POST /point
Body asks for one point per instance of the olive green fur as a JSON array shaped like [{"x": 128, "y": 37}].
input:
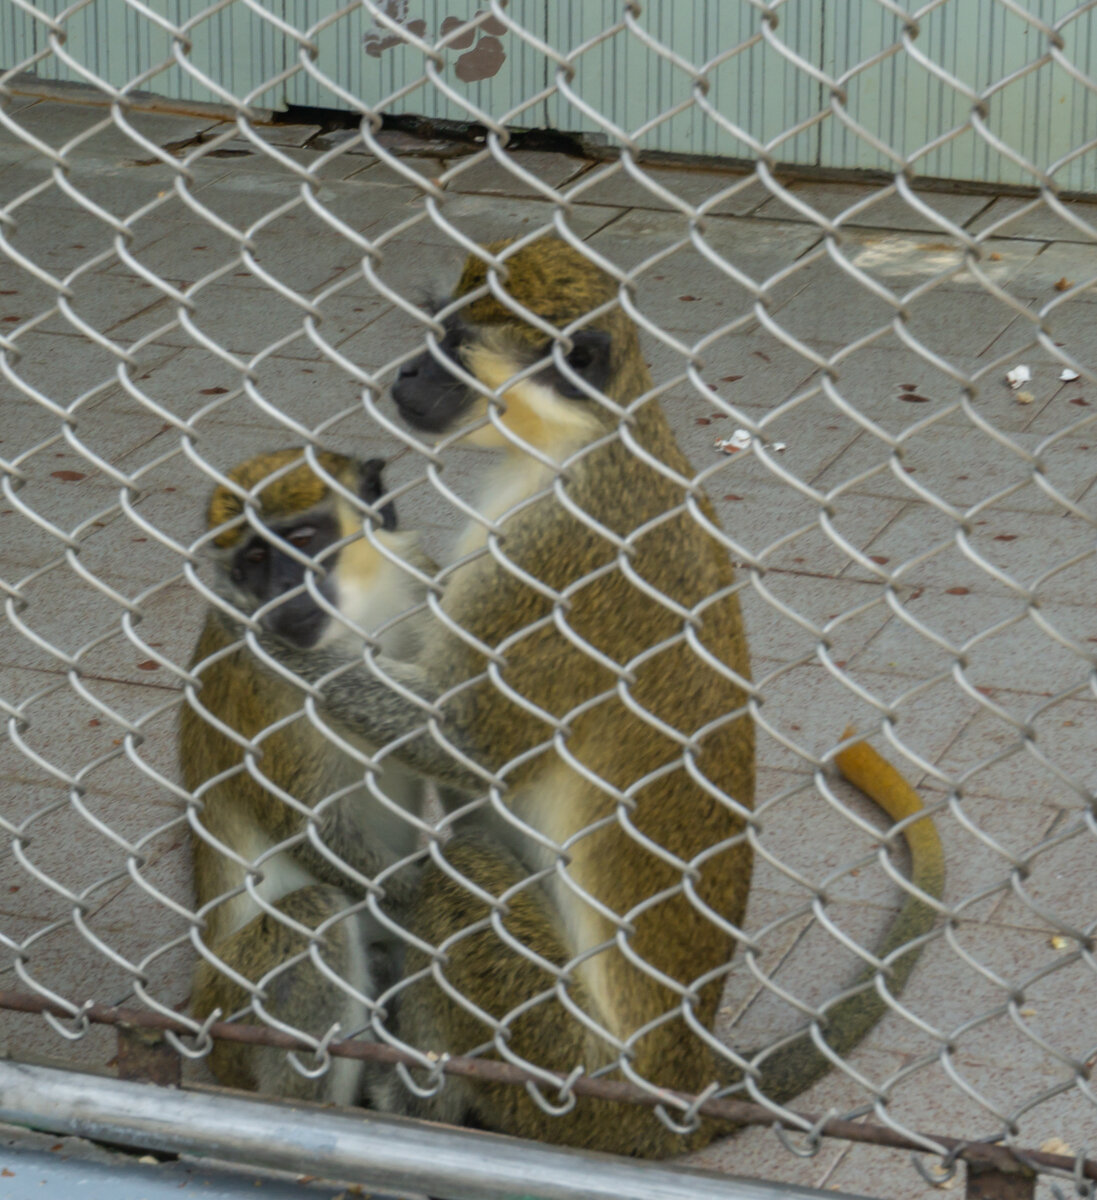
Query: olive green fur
[
  {"x": 680, "y": 559},
  {"x": 625, "y": 608},
  {"x": 295, "y": 769}
]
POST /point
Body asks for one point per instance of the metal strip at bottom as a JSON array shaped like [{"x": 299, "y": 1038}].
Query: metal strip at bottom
[{"x": 377, "y": 1151}]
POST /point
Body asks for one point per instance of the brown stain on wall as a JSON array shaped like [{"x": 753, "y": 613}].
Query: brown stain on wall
[{"x": 481, "y": 60}]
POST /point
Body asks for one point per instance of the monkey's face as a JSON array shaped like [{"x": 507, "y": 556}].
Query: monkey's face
[
  {"x": 436, "y": 391},
  {"x": 306, "y": 568}
]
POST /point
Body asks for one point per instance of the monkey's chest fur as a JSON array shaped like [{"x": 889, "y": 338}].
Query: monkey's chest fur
[{"x": 612, "y": 670}]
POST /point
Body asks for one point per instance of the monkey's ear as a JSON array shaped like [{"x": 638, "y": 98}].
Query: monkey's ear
[
  {"x": 589, "y": 358},
  {"x": 371, "y": 488}
]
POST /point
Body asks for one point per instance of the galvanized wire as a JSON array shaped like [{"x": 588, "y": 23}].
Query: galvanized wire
[{"x": 65, "y": 661}]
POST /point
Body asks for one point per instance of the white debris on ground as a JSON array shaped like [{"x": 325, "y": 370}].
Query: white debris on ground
[
  {"x": 1018, "y": 376},
  {"x": 739, "y": 440},
  {"x": 1067, "y": 375}
]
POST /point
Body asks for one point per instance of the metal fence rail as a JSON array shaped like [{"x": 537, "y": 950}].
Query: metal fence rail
[{"x": 882, "y": 390}]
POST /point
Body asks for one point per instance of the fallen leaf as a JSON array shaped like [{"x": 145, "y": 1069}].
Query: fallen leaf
[
  {"x": 1005, "y": 537},
  {"x": 214, "y": 391},
  {"x": 1079, "y": 401},
  {"x": 730, "y": 378},
  {"x": 1064, "y": 284},
  {"x": 1056, "y": 1145},
  {"x": 878, "y": 558},
  {"x": 733, "y": 496},
  {"x": 687, "y": 298},
  {"x": 150, "y": 664},
  {"x": 704, "y": 421},
  {"x": 68, "y": 476},
  {"x": 908, "y": 387},
  {"x": 914, "y": 398},
  {"x": 958, "y": 591},
  {"x": 994, "y": 256}
]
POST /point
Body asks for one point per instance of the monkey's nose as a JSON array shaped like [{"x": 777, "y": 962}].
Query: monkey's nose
[{"x": 409, "y": 370}]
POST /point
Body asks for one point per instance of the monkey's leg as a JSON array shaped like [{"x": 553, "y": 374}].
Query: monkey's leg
[
  {"x": 493, "y": 977},
  {"x": 299, "y": 995}
]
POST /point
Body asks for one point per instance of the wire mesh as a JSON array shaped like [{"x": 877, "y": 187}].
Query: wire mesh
[{"x": 882, "y": 386}]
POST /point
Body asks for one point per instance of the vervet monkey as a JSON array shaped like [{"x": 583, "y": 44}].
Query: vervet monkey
[
  {"x": 287, "y": 820},
  {"x": 600, "y": 681}
]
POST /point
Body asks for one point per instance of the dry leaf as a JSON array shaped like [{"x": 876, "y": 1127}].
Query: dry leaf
[
  {"x": 1056, "y": 1145},
  {"x": 1064, "y": 284}
]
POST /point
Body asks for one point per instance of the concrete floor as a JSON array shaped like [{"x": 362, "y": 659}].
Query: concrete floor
[{"x": 87, "y": 898}]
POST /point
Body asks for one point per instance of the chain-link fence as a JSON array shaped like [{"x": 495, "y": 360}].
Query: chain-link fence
[{"x": 560, "y": 832}]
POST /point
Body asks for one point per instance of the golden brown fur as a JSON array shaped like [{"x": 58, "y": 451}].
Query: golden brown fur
[
  {"x": 603, "y": 673},
  {"x": 254, "y": 822}
]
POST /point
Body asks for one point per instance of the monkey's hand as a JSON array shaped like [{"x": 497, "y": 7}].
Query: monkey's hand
[{"x": 384, "y": 702}]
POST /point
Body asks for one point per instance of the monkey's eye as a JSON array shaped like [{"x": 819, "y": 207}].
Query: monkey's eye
[
  {"x": 257, "y": 554},
  {"x": 580, "y": 358},
  {"x": 301, "y": 537}
]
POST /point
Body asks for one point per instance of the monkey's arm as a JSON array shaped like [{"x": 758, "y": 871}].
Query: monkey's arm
[{"x": 399, "y": 710}]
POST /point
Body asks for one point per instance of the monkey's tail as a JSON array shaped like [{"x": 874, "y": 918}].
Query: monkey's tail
[{"x": 795, "y": 1066}]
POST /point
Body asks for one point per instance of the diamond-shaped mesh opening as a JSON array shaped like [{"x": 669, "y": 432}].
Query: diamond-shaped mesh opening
[{"x": 193, "y": 277}]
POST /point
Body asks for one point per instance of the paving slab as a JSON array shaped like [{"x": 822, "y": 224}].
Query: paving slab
[
  {"x": 1003, "y": 751},
  {"x": 59, "y": 124},
  {"x": 720, "y": 193},
  {"x": 887, "y": 208},
  {"x": 1011, "y": 216},
  {"x": 493, "y": 176}
]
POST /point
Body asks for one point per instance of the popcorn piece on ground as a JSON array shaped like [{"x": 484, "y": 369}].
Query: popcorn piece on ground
[
  {"x": 1067, "y": 375},
  {"x": 739, "y": 440},
  {"x": 1018, "y": 376}
]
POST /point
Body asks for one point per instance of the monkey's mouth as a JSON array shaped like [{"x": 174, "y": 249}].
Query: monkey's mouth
[
  {"x": 433, "y": 410},
  {"x": 302, "y": 629}
]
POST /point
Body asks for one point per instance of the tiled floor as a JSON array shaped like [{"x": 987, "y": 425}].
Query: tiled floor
[{"x": 952, "y": 577}]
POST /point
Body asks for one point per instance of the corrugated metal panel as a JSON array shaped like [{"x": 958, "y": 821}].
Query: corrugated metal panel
[
  {"x": 519, "y": 77},
  {"x": 757, "y": 90},
  {"x": 1044, "y": 115}
]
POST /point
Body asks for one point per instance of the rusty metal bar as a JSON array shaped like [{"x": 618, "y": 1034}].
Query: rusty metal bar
[{"x": 1002, "y": 1159}]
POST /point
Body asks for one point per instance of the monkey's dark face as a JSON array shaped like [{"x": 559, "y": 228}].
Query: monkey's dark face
[
  {"x": 263, "y": 571},
  {"x": 271, "y": 573},
  {"x": 430, "y": 394}
]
